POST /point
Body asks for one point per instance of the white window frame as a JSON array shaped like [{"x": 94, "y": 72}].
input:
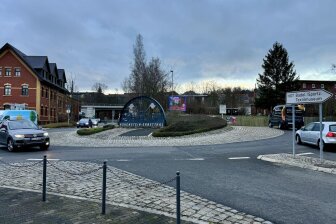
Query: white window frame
[
  {"x": 322, "y": 86},
  {"x": 7, "y": 89},
  {"x": 9, "y": 70},
  {"x": 17, "y": 72},
  {"x": 25, "y": 86},
  {"x": 313, "y": 86},
  {"x": 304, "y": 85}
]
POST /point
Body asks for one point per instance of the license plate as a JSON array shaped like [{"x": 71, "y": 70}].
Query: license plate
[{"x": 35, "y": 139}]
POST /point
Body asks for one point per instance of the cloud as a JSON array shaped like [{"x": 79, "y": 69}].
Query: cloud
[{"x": 202, "y": 40}]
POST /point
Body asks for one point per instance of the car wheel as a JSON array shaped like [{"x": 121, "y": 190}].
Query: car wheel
[
  {"x": 298, "y": 140},
  {"x": 323, "y": 145},
  {"x": 270, "y": 125},
  {"x": 10, "y": 145},
  {"x": 280, "y": 126}
]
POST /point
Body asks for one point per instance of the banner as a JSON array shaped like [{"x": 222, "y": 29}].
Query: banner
[{"x": 177, "y": 103}]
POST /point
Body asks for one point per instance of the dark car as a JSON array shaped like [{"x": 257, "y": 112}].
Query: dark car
[
  {"x": 16, "y": 134},
  {"x": 281, "y": 117},
  {"x": 84, "y": 123}
]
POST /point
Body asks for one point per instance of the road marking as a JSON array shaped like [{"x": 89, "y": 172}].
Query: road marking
[
  {"x": 150, "y": 135},
  {"x": 305, "y": 153},
  {"x": 192, "y": 159},
  {"x": 239, "y": 158},
  {"x": 123, "y": 160},
  {"x": 42, "y": 159}
]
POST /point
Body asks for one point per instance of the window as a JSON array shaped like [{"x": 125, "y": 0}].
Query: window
[
  {"x": 313, "y": 86},
  {"x": 46, "y": 93},
  {"x": 7, "y": 72},
  {"x": 42, "y": 111},
  {"x": 42, "y": 92},
  {"x": 46, "y": 111},
  {"x": 0, "y": 71},
  {"x": 8, "y": 90},
  {"x": 17, "y": 72},
  {"x": 304, "y": 85},
  {"x": 322, "y": 86},
  {"x": 24, "y": 90}
]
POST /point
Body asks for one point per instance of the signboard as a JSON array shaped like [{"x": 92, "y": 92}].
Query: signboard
[
  {"x": 222, "y": 109},
  {"x": 309, "y": 96},
  {"x": 177, "y": 103}
]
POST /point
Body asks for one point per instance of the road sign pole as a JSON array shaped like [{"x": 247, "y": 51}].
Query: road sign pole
[
  {"x": 293, "y": 127},
  {"x": 321, "y": 140}
]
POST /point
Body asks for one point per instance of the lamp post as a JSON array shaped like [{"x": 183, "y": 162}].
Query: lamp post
[{"x": 172, "y": 81}]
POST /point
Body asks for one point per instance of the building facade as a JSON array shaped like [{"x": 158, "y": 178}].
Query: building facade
[{"x": 32, "y": 83}]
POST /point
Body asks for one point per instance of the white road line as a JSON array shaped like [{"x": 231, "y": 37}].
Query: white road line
[
  {"x": 42, "y": 159},
  {"x": 305, "y": 153},
  {"x": 123, "y": 160},
  {"x": 192, "y": 159},
  {"x": 150, "y": 135},
  {"x": 239, "y": 158}
]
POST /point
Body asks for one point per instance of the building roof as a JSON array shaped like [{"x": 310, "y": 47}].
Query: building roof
[{"x": 36, "y": 63}]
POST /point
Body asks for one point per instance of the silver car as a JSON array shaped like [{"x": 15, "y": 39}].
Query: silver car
[
  {"x": 310, "y": 134},
  {"x": 16, "y": 134}
]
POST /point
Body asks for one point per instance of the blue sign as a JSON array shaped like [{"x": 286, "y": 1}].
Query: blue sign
[{"x": 142, "y": 111}]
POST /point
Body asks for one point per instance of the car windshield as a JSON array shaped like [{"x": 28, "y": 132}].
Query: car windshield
[
  {"x": 84, "y": 120},
  {"x": 21, "y": 124}
]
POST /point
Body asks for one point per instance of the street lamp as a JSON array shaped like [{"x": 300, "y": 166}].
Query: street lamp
[{"x": 172, "y": 81}]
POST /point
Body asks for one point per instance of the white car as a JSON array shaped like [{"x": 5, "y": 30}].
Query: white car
[{"x": 310, "y": 134}]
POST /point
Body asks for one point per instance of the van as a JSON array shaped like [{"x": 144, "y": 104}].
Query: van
[
  {"x": 281, "y": 117},
  {"x": 18, "y": 115}
]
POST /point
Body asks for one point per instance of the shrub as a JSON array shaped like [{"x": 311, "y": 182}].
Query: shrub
[
  {"x": 60, "y": 125},
  {"x": 189, "y": 124},
  {"x": 90, "y": 131}
]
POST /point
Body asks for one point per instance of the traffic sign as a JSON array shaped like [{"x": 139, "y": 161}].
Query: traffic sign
[{"x": 309, "y": 96}]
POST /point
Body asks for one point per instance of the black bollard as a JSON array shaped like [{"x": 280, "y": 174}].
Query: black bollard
[
  {"x": 178, "y": 202},
  {"x": 104, "y": 189},
  {"x": 44, "y": 186}
]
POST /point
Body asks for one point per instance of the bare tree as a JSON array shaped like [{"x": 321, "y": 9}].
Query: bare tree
[{"x": 99, "y": 87}]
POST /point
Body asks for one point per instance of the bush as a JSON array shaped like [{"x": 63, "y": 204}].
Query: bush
[
  {"x": 90, "y": 131},
  {"x": 60, "y": 125},
  {"x": 179, "y": 125}
]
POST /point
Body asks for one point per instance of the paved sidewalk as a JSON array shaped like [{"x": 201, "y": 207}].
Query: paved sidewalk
[
  {"x": 84, "y": 180},
  {"x": 113, "y": 138},
  {"x": 25, "y": 207}
]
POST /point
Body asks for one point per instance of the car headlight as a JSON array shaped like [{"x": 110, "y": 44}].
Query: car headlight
[
  {"x": 19, "y": 136},
  {"x": 77, "y": 123},
  {"x": 45, "y": 134},
  {"x": 87, "y": 123}
]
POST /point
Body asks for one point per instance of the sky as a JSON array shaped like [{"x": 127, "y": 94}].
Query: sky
[{"x": 218, "y": 41}]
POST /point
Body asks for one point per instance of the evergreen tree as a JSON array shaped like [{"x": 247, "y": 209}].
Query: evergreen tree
[{"x": 278, "y": 78}]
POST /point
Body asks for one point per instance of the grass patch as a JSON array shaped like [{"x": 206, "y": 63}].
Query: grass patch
[
  {"x": 184, "y": 124},
  {"x": 60, "y": 125},
  {"x": 256, "y": 121},
  {"x": 90, "y": 131}
]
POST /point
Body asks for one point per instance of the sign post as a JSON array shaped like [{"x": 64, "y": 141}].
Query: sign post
[
  {"x": 308, "y": 97},
  {"x": 68, "y": 112},
  {"x": 222, "y": 109}
]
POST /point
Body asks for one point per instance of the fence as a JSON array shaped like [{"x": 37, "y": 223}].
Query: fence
[{"x": 104, "y": 168}]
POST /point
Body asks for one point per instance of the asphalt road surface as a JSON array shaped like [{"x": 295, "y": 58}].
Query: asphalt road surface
[{"x": 229, "y": 174}]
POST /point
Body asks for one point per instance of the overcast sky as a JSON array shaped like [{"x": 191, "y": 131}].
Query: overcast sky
[{"x": 220, "y": 40}]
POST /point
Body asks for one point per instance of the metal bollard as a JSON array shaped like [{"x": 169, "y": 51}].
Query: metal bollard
[
  {"x": 44, "y": 185},
  {"x": 178, "y": 202},
  {"x": 104, "y": 189}
]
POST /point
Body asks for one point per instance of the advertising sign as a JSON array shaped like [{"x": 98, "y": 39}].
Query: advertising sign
[
  {"x": 177, "y": 103},
  {"x": 222, "y": 108}
]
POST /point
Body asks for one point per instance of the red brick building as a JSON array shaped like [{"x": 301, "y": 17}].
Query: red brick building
[
  {"x": 35, "y": 84},
  {"x": 329, "y": 107}
]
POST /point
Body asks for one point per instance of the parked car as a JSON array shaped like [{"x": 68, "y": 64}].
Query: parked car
[
  {"x": 84, "y": 123},
  {"x": 281, "y": 117},
  {"x": 310, "y": 134},
  {"x": 17, "y": 134}
]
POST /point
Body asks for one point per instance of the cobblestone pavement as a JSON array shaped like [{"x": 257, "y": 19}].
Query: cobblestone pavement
[
  {"x": 112, "y": 138},
  {"x": 84, "y": 180},
  {"x": 326, "y": 166}
]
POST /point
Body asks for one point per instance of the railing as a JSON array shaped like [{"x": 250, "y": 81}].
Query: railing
[{"x": 45, "y": 163}]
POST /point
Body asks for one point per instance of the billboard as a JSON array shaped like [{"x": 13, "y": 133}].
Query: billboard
[{"x": 178, "y": 103}]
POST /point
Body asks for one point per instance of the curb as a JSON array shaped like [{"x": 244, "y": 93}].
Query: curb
[{"x": 300, "y": 161}]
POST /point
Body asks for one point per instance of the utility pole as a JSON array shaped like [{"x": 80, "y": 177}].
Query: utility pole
[{"x": 172, "y": 81}]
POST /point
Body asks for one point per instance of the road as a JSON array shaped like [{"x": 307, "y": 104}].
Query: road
[{"x": 229, "y": 174}]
